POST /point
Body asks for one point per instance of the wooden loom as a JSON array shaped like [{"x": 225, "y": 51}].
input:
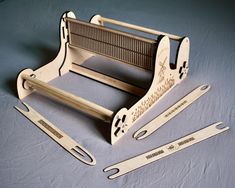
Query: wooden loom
[{"x": 81, "y": 40}]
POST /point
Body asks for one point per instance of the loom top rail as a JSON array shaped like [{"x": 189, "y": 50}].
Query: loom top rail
[{"x": 81, "y": 40}]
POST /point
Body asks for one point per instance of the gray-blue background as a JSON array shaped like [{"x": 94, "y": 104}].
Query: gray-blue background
[{"x": 29, "y": 39}]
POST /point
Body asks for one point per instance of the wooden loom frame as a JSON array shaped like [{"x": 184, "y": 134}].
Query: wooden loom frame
[{"x": 70, "y": 57}]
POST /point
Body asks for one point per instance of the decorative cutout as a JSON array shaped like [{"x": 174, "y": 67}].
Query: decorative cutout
[
  {"x": 120, "y": 124},
  {"x": 81, "y": 40},
  {"x": 183, "y": 70}
]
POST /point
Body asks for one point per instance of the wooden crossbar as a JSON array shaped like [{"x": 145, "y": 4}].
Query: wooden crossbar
[
  {"x": 108, "y": 80},
  {"x": 139, "y": 28},
  {"x": 69, "y": 99},
  {"x": 81, "y": 40}
]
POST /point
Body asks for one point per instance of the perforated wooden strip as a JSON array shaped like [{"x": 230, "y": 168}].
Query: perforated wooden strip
[{"x": 122, "y": 46}]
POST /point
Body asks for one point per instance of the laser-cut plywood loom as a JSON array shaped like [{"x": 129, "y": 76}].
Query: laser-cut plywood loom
[{"x": 81, "y": 40}]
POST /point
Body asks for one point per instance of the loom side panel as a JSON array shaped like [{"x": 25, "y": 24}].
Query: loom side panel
[{"x": 51, "y": 70}]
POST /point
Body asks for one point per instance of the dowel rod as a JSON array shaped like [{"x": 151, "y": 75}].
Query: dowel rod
[
  {"x": 139, "y": 28},
  {"x": 108, "y": 80},
  {"x": 69, "y": 99}
]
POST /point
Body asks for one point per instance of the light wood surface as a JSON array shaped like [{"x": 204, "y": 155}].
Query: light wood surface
[
  {"x": 122, "y": 46},
  {"x": 163, "y": 151},
  {"x": 58, "y": 135},
  {"x": 108, "y": 80},
  {"x": 171, "y": 112},
  {"x": 138, "y": 28},
  {"x": 165, "y": 78},
  {"x": 50, "y": 70},
  {"x": 69, "y": 99},
  {"x": 81, "y": 40}
]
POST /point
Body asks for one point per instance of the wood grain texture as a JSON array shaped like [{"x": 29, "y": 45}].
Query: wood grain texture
[
  {"x": 163, "y": 151},
  {"x": 138, "y": 28},
  {"x": 108, "y": 80},
  {"x": 171, "y": 112},
  {"x": 69, "y": 99},
  {"x": 58, "y": 135},
  {"x": 81, "y": 40}
]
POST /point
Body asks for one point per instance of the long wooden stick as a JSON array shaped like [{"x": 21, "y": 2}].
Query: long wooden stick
[
  {"x": 171, "y": 112},
  {"x": 163, "y": 151},
  {"x": 108, "y": 80},
  {"x": 58, "y": 135},
  {"x": 139, "y": 28},
  {"x": 69, "y": 99}
]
